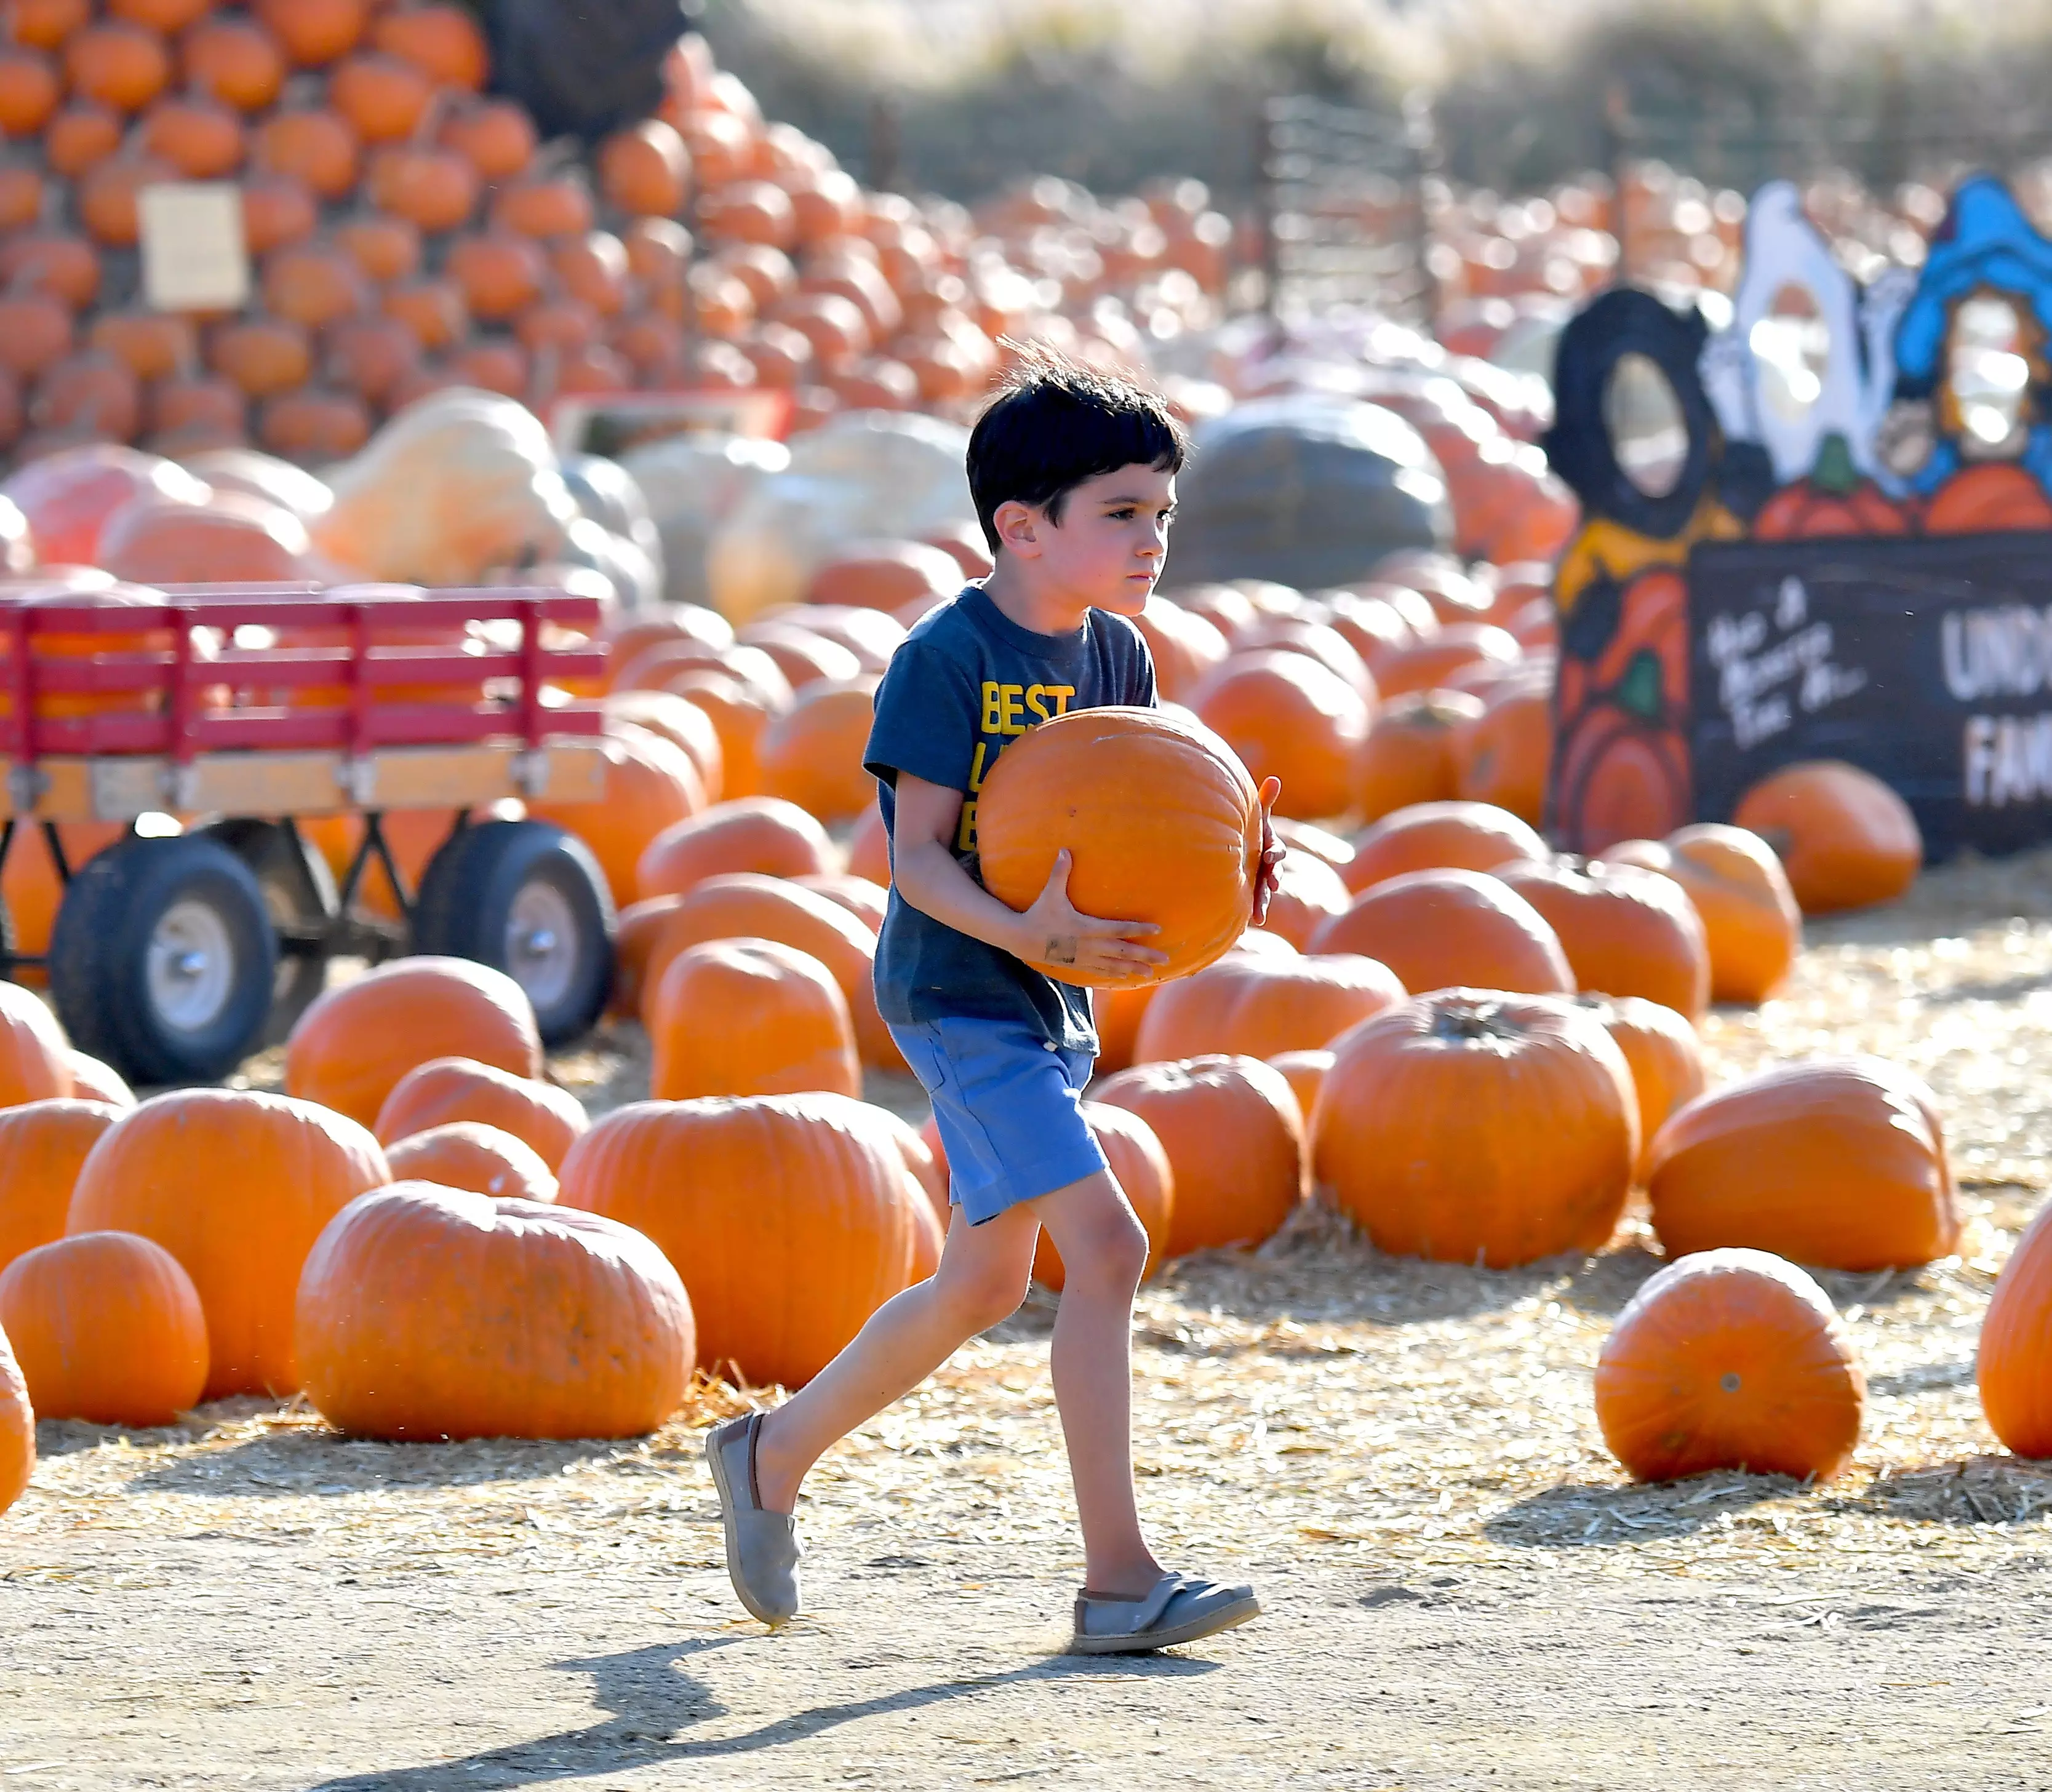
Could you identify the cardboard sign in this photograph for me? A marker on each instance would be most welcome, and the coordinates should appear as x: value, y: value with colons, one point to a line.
x: 1927, y: 662
x: 195, y: 254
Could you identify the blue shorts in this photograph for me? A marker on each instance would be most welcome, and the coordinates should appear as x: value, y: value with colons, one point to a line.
x: 1005, y: 1102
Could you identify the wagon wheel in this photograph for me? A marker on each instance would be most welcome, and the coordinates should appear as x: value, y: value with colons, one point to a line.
x: 163, y: 958
x: 300, y: 896
x: 528, y: 899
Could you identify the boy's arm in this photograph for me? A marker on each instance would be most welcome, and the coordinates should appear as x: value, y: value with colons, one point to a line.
x: 930, y: 877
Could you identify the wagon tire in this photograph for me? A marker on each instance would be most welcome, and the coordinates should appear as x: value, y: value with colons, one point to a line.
x: 299, y: 894
x: 162, y: 960
x: 529, y: 900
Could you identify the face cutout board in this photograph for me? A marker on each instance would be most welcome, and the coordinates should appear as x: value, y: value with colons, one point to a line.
x: 1845, y: 552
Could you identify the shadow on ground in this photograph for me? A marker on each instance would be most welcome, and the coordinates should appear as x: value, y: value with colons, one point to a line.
x: 655, y: 1704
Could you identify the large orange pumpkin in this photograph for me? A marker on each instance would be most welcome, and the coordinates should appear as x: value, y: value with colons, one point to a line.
x: 1470, y: 1126
x: 1503, y: 755
x: 1162, y: 822
x: 749, y: 1017
x: 1306, y: 1073
x: 17, y: 1429
x: 35, y: 1057
x: 1308, y: 893
x: 106, y: 1328
x: 445, y: 1089
x: 1142, y: 1169
x: 1431, y: 836
x: 812, y: 754
x: 492, y: 1319
x: 789, y: 1217
x: 1432, y: 661
x: 1750, y: 919
x: 867, y: 902
x: 762, y: 834
x: 1408, y: 756
x: 1661, y: 1051
x: 1185, y: 645
x: 42, y: 1145
x: 1730, y: 1359
x: 746, y: 905
x: 93, y: 1081
x: 468, y: 1154
x: 869, y: 847
x: 1626, y: 931
x: 741, y: 712
x: 1289, y: 716
x: 232, y: 537
x: 1259, y: 1007
x: 650, y: 784
x: 2014, y: 1364
x: 1839, y: 1162
x: 351, y: 1048
x: 1846, y: 838
x: 1235, y: 1143
x: 237, y: 1186
x: 1440, y: 929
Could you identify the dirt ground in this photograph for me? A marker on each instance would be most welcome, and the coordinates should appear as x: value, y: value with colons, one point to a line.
x: 1461, y: 1590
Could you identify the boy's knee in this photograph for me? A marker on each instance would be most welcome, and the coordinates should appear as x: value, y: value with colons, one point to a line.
x: 1112, y: 1253
x: 982, y: 1297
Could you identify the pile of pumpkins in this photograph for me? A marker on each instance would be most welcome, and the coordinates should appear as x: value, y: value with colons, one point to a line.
x: 407, y: 232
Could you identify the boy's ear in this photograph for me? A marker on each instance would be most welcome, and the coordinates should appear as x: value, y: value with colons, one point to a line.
x: 1018, y: 524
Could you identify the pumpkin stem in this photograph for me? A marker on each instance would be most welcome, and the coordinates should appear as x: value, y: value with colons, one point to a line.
x: 1470, y: 1021
x: 1834, y: 472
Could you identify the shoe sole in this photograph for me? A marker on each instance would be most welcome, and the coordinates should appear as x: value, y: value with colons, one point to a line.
x: 726, y: 1526
x: 1227, y: 1618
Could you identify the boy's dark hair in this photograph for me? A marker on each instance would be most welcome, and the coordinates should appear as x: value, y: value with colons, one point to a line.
x: 1055, y: 422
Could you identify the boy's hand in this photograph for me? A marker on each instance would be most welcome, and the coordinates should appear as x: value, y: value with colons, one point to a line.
x: 1271, y: 851
x: 1052, y: 933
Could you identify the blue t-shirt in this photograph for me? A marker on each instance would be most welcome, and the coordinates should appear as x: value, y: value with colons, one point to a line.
x: 967, y: 681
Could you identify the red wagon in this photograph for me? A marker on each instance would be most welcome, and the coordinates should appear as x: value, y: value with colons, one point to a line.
x: 242, y: 709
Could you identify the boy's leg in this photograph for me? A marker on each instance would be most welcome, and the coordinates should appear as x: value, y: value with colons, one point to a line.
x: 1104, y: 1252
x: 981, y: 1280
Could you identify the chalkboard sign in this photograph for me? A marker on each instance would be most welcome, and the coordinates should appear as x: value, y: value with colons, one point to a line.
x: 1927, y: 662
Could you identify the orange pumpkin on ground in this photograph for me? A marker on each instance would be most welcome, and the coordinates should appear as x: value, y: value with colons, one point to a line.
x: 1288, y: 717
x: 93, y: 1081
x: 1408, y: 756
x: 762, y: 834
x: 1446, y: 928
x: 1258, y: 1007
x: 884, y: 575
x: 468, y: 1154
x: 926, y: 1163
x: 352, y: 1046
x: 812, y: 754
x: 1314, y: 843
x: 749, y: 1017
x: 1306, y: 1073
x: 681, y: 722
x: 2013, y: 1365
x: 1185, y: 647
x: 35, y: 1057
x: 651, y: 784
x: 1427, y: 665
x: 1142, y: 1169
x: 741, y: 711
x: 1846, y: 839
x: 1431, y: 836
x: 1730, y: 1359
x: 1750, y: 919
x: 17, y: 1429
x: 1470, y: 1126
x: 789, y: 1219
x: 1308, y: 892
x: 1163, y: 823
x: 1626, y: 931
x: 499, y: 1319
x: 1839, y: 1162
x: 237, y: 1186
x: 1503, y: 755
x: 867, y: 902
x: 1117, y: 1014
x: 745, y: 904
x: 1660, y: 1049
x: 547, y: 1119
x: 106, y: 1328
x: 1235, y: 1143
x: 42, y: 1146
x: 869, y: 847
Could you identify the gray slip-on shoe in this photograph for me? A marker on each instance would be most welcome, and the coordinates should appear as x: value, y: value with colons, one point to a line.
x: 1178, y: 1608
x: 762, y: 1547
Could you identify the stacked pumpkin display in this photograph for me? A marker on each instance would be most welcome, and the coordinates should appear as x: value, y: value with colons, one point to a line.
x: 407, y: 232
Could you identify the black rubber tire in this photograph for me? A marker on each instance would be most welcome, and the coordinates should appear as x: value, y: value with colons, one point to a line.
x: 465, y: 909
x: 300, y: 894
x: 99, y: 959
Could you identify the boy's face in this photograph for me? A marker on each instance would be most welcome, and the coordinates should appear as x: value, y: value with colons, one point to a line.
x: 1108, y: 550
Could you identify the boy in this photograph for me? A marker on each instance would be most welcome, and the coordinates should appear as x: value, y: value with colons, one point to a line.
x: 1073, y: 473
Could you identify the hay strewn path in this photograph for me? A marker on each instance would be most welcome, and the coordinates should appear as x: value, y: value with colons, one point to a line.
x: 1462, y: 1590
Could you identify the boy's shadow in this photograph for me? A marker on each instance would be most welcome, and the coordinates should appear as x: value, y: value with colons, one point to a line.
x: 651, y: 1697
